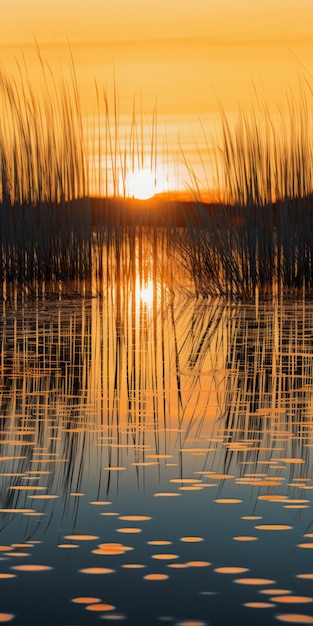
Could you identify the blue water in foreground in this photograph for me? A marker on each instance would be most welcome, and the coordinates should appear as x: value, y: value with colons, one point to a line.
x: 156, y: 472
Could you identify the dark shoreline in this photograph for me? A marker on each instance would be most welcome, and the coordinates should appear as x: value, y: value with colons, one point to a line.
x: 177, y: 212
x: 152, y: 212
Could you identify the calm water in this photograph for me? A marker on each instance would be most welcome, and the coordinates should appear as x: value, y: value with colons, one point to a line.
x: 156, y: 462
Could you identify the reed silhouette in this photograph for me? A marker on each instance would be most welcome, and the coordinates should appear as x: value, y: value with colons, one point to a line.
x: 63, y: 193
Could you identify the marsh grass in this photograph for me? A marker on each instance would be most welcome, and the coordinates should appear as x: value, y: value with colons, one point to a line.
x: 63, y: 220
x: 56, y: 238
x: 45, y: 218
x: 258, y: 238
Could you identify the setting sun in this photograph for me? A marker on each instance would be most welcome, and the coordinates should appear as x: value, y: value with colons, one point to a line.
x: 141, y: 184
x: 145, y: 293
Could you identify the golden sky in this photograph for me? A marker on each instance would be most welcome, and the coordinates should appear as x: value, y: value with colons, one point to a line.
x: 89, y: 20
x: 184, y: 53
x: 172, y: 48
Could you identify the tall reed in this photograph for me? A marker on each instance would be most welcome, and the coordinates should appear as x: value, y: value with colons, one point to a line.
x: 52, y: 165
x: 259, y: 236
x: 44, y: 180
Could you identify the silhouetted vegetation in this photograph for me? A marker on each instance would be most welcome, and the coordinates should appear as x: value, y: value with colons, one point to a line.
x: 258, y: 239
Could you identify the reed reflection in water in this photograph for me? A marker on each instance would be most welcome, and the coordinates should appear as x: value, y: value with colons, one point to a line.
x: 156, y: 440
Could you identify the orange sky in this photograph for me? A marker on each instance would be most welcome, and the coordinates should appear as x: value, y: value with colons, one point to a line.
x: 86, y: 20
x: 184, y: 53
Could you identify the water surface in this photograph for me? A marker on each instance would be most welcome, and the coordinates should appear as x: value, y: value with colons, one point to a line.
x: 156, y: 461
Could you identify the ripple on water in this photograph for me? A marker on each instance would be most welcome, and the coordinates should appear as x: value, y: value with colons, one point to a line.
x: 5, y: 548
x: 166, y: 494
x: 100, y: 607
x: 228, y: 501
x: 159, y: 542
x: 111, y: 548
x: 191, y: 539
x: 85, y: 600
x: 286, y: 599
x: 96, y: 570
x: 23, y: 511
x: 295, y: 618
x: 129, y: 531
x: 273, y: 498
x: 135, y: 518
x: 81, y: 537
x: 110, y: 514
x: 44, y: 497
x: 159, y: 456
x: 296, y: 506
x: 273, y: 527
x: 26, y: 488
x: 271, y: 592
x: 197, y: 563
x: 32, y: 568
x: 254, y: 581
x: 231, y: 570
x: 245, y: 538
x: 165, y: 557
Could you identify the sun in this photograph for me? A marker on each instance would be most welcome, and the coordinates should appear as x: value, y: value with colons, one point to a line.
x: 145, y: 292
x: 141, y: 184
